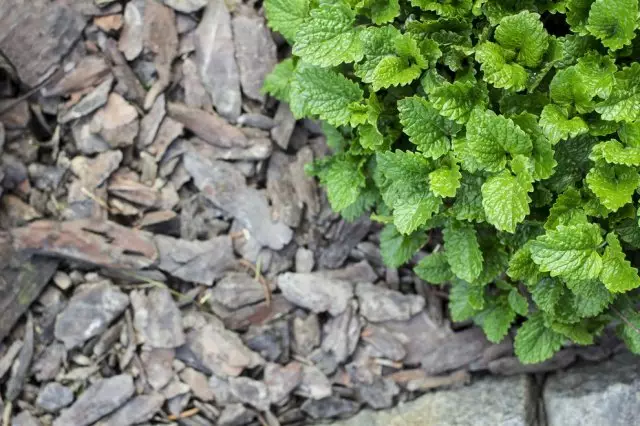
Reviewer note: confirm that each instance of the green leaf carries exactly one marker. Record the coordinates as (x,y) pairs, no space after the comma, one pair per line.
(522,267)
(394,71)
(578,15)
(535,342)
(567,210)
(629,329)
(578,333)
(614,185)
(278,82)
(451,8)
(286,16)
(495,262)
(613,22)
(596,73)
(445,181)
(557,126)
(397,249)
(518,302)
(615,153)
(547,293)
(425,127)
(617,273)
(367,198)
(525,34)
(624,102)
(465,300)
(542,152)
(497,68)
(324,93)
(630,134)
(462,250)
(468,202)
(434,269)
(380,11)
(569,252)
(456,101)
(590,297)
(329,37)
(496,320)
(344,181)
(406,189)
(567,90)
(505,201)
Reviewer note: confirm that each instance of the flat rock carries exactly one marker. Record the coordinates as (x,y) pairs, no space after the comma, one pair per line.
(332,406)
(304,185)
(255,53)
(285,122)
(89,314)
(198,383)
(225,186)
(150,123)
(89,103)
(605,394)
(304,260)
(158,366)
(313,384)
(473,405)
(157,318)
(342,332)
(222,391)
(258,121)
(21,365)
(25,418)
(195,94)
(280,188)
(306,334)
(458,350)
(379,304)
(316,293)
(197,261)
(383,343)
(355,273)
(168,131)
(348,235)
(186,6)
(256,149)
(511,365)
(379,394)
(131,41)
(272,341)
(53,397)
(117,122)
(237,289)
(282,380)
(236,415)
(208,126)
(89,71)
(100,399)
(93,172)
(251,392)
(138,410)
(215,56)
(222,351)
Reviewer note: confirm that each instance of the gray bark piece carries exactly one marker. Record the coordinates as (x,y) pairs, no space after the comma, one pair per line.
(314,384)
(379,304)
(158,364)
(197,261)
(280,188)
(216,60)
(222,391)
(255,53)
(349,235)
(285,122)
(237,289)
(21,365)
(150,123)
(87,141)
(88,314)
(89,103)
(487,402)
(509,366)
(226,188)
(208,126)
(457,351)
(102,398)
(379,394)
(316,293)
(25,418)
(138,410)
(383,343)
(257,149)
(198,383)
(53,397)
(603,394)
(186,6)
(282,380)
(251,392)
(222,351)
(305,186)
(88,71)
(157,318)
(341,333)
(36,35)
(131,40)
(306,334)
(236,415)
(332,406)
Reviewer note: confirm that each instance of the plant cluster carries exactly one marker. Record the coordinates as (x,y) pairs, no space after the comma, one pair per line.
(511,125)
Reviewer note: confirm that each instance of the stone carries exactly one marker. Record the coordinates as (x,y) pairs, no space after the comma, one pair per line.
(25,418)
(487,402)
(236,415)
(342,332)
(215,56)
(93,172)
(85,140)
(250,392)
(316,293)
(89,71)
(458,350)
(138,410)
(92,101)
(47,366)
(237,289)
(53,397)
(383,343)
(157,318)
(158,366)
(130,41)
(174,389)
(222,391)
(89,314)
(511,365)
(256,54)
(196,261)
(284,200)
(8,356)
(355,273)
(282,380)
(195,94)
(21,365)
(379,394)
(100,399)
(304,185)
(198,383)
(304,260)
(108,23)
(378,304)
(313,384)
(306,334)
(347,236)
(258,121)
(272,341)
(186,6)
(150,123)
(257,149)
(332,406)
(167,133)
(208,126)
(599,394)
(285,122)
(117,122)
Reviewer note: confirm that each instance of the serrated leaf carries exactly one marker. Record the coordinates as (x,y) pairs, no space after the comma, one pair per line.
(324,93)
(518,302)
(568,90)
(542,151)
(624,102)
(428,130)
(569,252)
(522,267)
(617,273)
(596,73)
(614,185)
(286,16)
(451,8)
(445,181)
(547,293)
(468,202)
(590,298)
(630,134)
(396,248)
(496,320)
(329,37)
(434,269)
(629,329)
(535,342)
(344,181)
(613,22)
(557,126)
(465,300)
(278,82)
(578,15)
(497,68)
(615,153)
(525,34)
(456,101)
(505,201)
(394,71)
(578,333)
(367,198)
(463,250)
(495,260)
(567,210)
(380,11)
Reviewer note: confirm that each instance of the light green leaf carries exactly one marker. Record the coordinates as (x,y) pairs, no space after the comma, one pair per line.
(624,102)
(614,185)
(617,273)
(497,69)
(324,93)
(596,73)
(434,269)
(542,152)
(329,37)
(286,16)
(462,250)
(456,101)
(590,298)
(518,302)
(445,181)
(370,137)
(525,34)
(567,90)
(535,342)
(630,134)
(578,15)
(522,267)
(468,202)
(567,210)
(394,71)
(380,11)
(496,320)
(557,126)
(505,201)
(397,249)
(613,22)
(578,333)
(465,300)
(628,329)
(344,181)
(450,8)
(569,252)
(425,127)
(615,153)
(277,84)
(547,293)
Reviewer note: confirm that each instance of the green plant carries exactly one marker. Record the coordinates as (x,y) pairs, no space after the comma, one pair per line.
(512,125)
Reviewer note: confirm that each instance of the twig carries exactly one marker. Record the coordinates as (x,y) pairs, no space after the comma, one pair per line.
(27,95)
(6,414)
(625,319)
(189,413)
(258,277)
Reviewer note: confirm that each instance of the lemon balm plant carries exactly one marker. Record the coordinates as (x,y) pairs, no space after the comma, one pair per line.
(512,125)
